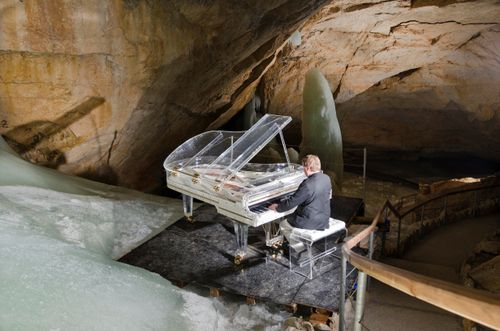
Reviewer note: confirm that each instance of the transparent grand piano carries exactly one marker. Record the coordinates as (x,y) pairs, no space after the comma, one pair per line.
(215,167)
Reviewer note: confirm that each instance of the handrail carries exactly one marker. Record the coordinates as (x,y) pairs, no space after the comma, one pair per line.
(477,305)
(440,195)
(402,212)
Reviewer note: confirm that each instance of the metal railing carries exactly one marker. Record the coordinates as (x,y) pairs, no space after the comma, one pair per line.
(359,166)
(440,208)
(477,305)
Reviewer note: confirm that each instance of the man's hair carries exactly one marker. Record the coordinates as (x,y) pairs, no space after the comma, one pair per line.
(312,161)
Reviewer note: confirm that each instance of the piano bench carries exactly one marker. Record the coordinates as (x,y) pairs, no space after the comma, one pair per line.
(306,249)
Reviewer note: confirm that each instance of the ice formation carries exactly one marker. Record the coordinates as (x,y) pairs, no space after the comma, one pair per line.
(250,111)
(58,237)
(103,218)
(47,284)
(321,133)
(296,39)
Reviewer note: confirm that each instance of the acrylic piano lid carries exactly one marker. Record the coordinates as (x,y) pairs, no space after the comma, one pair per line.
(252,141)
(227,151)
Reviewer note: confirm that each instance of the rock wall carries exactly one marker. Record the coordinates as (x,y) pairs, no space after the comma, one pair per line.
(415,76)
(105,89)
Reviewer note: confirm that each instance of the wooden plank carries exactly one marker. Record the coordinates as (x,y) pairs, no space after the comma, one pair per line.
(317,319)
(480,306)
(214,292)
(251,301)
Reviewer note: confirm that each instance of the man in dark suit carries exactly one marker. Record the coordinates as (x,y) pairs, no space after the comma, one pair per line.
(312,200)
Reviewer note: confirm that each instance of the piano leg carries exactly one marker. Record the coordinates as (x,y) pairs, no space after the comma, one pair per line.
(187,203)
(272,231)
(241,231)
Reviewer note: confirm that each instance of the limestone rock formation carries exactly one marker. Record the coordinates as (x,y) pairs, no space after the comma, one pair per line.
(415,76)
(107,89)
(486,275)
(483,266)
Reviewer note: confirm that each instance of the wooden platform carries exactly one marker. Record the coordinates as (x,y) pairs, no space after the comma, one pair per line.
(202,253)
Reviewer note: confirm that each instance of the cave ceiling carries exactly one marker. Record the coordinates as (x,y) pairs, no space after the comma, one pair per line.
(106,89)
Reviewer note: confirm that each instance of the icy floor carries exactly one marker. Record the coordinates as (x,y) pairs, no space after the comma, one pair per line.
(59,236)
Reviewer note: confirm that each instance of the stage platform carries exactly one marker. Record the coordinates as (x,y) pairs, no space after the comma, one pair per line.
(202,253)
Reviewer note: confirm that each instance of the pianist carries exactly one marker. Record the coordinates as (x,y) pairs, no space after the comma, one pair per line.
(312,200)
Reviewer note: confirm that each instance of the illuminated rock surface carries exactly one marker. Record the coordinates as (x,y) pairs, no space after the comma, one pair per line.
(407,76)
(107,89)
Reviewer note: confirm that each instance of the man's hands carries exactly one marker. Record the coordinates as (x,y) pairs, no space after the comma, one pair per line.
(274,206)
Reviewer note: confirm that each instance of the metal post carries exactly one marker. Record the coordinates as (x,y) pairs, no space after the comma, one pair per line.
(364,175)
(285,150)
(232,142)
(370,254)
(382,249)
(370,245)
(399,234)
(445,207)
(343,280)
(360,301)
(422,216)
(474,207)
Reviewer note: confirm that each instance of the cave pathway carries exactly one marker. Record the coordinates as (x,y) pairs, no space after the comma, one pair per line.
(440,255)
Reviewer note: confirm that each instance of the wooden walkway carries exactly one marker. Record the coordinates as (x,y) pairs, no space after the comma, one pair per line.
(202,253)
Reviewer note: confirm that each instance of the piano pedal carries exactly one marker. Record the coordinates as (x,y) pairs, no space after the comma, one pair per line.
(238,259)
(277,244)
(276,252)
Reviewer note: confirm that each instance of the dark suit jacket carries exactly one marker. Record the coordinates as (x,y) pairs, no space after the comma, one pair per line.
(312,199)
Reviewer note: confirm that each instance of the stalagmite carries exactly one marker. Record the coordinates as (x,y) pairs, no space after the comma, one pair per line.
(320,127)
